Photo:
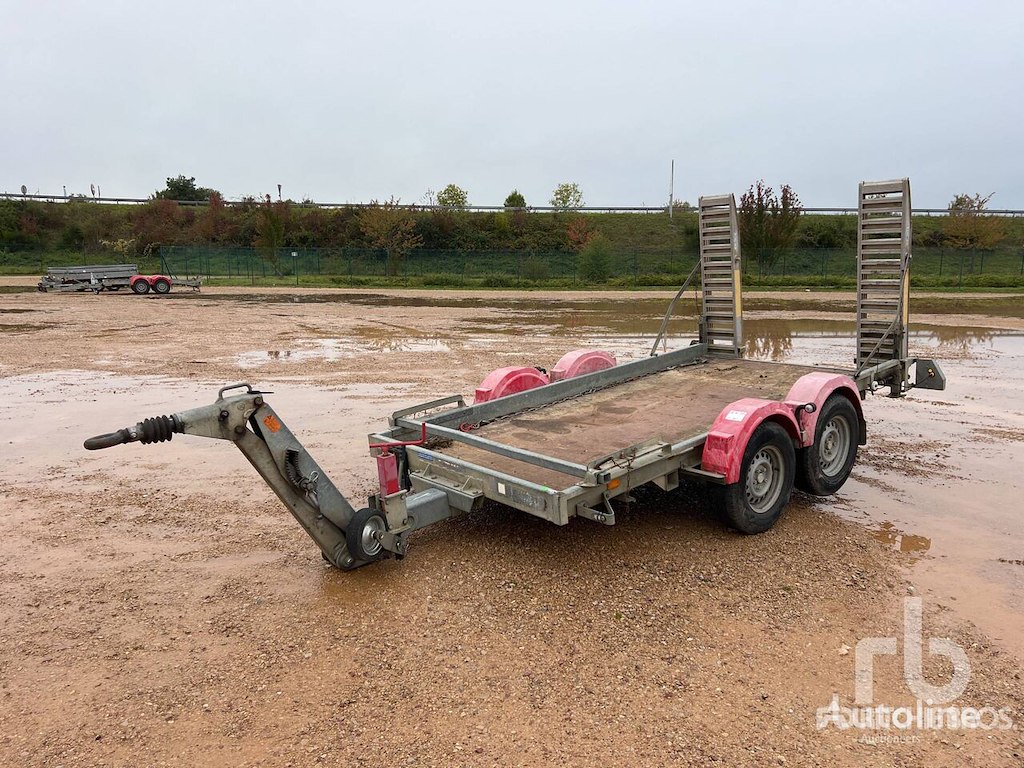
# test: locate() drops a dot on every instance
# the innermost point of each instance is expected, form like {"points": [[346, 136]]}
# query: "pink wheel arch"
{"points": [[581, 361], [816, 388], [508, 381]]}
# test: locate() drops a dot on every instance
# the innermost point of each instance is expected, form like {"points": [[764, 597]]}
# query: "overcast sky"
{"points": [[345, 101]]}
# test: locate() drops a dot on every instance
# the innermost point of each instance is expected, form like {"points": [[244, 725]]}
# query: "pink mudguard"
{"points": [[727, 440], [581, 361], [508, 381], [816, 388]]}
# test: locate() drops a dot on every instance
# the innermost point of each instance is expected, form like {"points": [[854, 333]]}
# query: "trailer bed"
{"points": [[669, 406]]}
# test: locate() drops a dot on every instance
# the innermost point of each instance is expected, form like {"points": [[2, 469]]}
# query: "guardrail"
{"points": [[482, 208]]}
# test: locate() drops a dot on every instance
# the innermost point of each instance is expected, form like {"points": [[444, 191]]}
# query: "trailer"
{"points": [[576, 440], [110, 277]]}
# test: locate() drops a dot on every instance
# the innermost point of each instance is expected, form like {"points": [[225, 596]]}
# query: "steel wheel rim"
{"points": [[370, 544], [834, 446], [764, 479]]}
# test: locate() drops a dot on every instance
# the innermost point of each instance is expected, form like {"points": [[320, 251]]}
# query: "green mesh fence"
{"points": [[628, 266], [365, 262], [624, 266]]}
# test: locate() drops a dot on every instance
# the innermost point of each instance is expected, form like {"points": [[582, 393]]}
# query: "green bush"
{"points": [[826, 232], [515, 199], [595, 259], [500, 281], [536, 269], [440, 280]]}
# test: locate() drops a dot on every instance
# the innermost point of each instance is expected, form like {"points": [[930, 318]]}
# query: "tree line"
{"points": [[771, 224]]}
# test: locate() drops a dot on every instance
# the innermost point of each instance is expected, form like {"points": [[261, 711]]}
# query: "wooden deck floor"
{"points": [[669, 406]]}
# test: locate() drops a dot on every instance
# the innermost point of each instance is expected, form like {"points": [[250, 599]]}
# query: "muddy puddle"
{"points": [[999, 305], [20, 327], [69, 406], [334, 350], [625, 335]]}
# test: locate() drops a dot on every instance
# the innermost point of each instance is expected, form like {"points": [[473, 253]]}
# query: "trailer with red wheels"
{"points": [[572, 440], [160, 284], [111, 277]]}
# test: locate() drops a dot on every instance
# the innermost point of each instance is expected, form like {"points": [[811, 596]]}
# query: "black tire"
{"points": [[140, 287], [162, 286], [823, 467], [358, 535], [753, 504]]}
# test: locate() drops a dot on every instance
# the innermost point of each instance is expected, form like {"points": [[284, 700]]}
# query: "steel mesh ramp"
{"points": [[883, 262], [721, 326]]}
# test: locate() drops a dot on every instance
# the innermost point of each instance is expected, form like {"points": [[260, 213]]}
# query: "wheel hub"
{"points": [[764, 480], [370, 536], [833, 446]]}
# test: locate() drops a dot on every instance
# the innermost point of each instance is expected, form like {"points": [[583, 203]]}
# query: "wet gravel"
{"points": [[159, 607]]}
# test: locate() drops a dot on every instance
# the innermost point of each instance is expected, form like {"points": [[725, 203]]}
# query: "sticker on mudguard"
{"points": [[735, 415]]}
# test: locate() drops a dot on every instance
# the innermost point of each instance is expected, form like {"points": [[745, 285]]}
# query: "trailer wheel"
{"points": [[162, 286], [140, 287], [824, 466], [753, 504], [362, 544]]}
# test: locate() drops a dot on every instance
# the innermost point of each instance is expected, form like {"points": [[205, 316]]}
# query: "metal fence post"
{"points": [[942, 254]]}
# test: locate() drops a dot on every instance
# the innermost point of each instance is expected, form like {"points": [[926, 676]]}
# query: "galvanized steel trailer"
{"points": [[568, 443], [109, 277]]}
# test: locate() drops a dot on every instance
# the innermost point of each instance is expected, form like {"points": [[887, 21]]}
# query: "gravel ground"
{"points": [[160, 608]]}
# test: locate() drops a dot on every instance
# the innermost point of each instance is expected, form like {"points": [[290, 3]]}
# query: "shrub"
{"points": [[71, 238], [515, 200], [536, 269], [443, 280], [826, 232], [500, 281], [595, 259]]}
